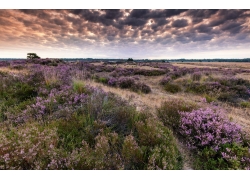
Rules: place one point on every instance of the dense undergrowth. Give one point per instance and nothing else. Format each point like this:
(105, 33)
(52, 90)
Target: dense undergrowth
(214, 85)
(216, 142)
(50, 119)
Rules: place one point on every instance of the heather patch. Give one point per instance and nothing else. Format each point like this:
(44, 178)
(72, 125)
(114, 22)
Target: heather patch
(217, 141)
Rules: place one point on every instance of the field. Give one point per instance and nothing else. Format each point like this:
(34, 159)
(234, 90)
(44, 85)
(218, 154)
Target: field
(79, 115)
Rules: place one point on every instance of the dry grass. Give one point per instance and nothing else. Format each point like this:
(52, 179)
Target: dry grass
(245, 76)
(13, 71)
(225, 65)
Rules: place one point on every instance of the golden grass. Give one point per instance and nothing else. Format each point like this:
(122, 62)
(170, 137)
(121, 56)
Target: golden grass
(225, 65)
(13, 71)
(245, 76)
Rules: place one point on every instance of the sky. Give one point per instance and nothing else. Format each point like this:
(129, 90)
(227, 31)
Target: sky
(125, 33)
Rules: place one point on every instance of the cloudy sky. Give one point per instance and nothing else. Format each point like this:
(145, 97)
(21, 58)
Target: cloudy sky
(124, 33)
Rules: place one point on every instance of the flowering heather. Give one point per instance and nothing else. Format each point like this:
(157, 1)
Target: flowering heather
(196, 76)
(112, 81)
(165, 80)
(208, 128)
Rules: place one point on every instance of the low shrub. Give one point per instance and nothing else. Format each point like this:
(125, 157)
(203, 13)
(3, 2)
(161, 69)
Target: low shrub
(165, 80)
(168, 112)
(141, 87)
(162, 150)
(209, 99)
(208, 128)
(196, 76)
(218, 142)
(173, 88)
(79, 86)
(126, 82)
(229, 157)
(245, 104)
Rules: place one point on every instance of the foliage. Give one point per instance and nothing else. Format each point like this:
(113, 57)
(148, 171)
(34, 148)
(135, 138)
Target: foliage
(173, 88)
(168, 112)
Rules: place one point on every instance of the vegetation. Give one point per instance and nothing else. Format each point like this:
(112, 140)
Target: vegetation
(32, 56)
(62, 115)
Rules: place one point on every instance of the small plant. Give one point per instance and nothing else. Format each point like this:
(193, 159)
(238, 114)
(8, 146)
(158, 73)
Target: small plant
(245, 104)
(165, 80)
(173, 88)
(209, 99)
(168, 112)
(196, 76)
(79, 86)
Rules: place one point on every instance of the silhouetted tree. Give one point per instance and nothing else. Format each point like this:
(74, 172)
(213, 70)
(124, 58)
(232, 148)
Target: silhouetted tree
(32, 56)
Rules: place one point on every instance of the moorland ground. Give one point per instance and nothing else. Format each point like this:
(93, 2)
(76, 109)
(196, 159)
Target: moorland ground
(77, 115)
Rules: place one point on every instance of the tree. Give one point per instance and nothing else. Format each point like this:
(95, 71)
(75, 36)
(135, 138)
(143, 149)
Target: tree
(130, 59)
(32, 56)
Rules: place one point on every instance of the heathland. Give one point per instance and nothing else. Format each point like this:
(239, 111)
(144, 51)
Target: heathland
(99, 115)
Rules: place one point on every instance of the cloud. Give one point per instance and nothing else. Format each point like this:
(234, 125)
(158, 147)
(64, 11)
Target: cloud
(112, 30)
(179, 23)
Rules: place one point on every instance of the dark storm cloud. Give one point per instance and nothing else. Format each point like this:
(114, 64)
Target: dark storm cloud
(199, 14)
(232, 27)
(139, 13)
(145, 13)
(203, 28)
(179, 23)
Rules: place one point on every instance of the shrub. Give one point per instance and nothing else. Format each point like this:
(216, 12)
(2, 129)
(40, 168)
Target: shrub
(208, 128)
(168, 112)
(196, 76)
(103, 80)
(162, 150)
(245, 104)
(112, 81)
(229, 157)
(173, 88)
(165, 80)
(141, 87)
(126, 82)
(209, 99)
(30, 147)
(79, 86)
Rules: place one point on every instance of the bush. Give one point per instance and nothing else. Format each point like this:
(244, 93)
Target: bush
(218, 143)
(126, 82)
(112, 81)
(173, 88)
(245, 104)
(196, 76)
(229, 157)
(168, 112)
(162, 150)
(208, 128)
(209, 99)
(141, 87)
(165, 80)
